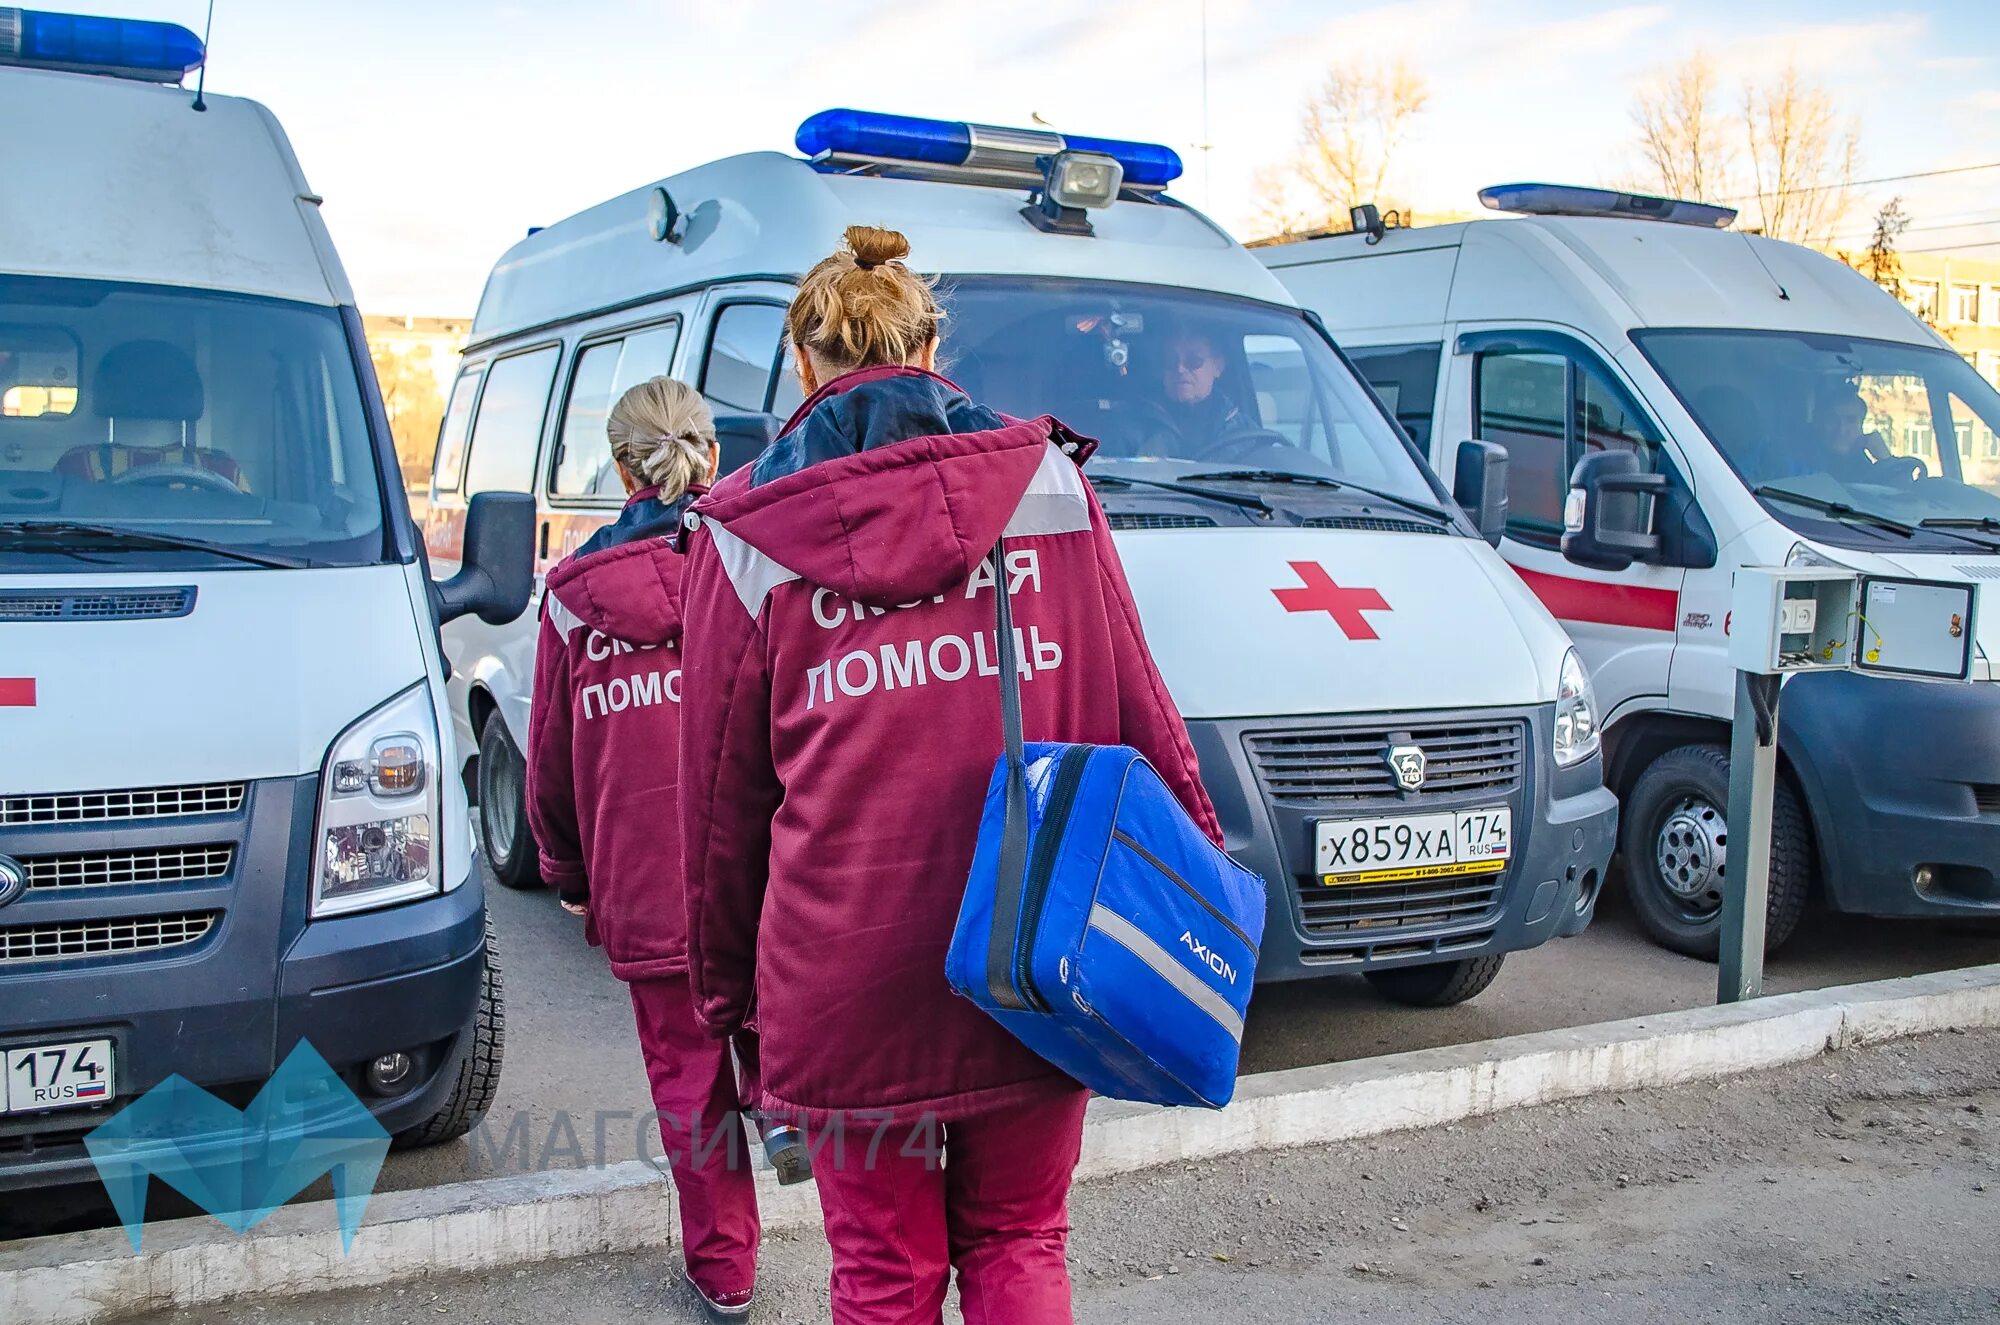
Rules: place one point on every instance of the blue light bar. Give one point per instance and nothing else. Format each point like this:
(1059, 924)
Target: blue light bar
(865, 133)
(84, 44)
(1575, 200)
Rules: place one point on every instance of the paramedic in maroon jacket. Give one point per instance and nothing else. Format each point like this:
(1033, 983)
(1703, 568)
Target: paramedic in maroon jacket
(602, 782)
(841, 720)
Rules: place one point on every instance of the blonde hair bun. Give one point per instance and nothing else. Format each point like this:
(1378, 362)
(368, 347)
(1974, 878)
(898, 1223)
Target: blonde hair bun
(872, 246)
(662, 432)
(860, 306)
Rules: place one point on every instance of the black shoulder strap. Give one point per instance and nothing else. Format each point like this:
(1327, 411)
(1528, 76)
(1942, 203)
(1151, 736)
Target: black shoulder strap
(1011, 880)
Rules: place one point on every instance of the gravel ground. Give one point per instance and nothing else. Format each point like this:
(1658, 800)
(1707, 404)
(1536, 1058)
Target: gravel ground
(1859, 1187)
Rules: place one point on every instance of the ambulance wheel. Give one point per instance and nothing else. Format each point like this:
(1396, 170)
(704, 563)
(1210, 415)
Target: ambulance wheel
(477, 1071)
(503, 809)
(1438, 985)
(1676, 846)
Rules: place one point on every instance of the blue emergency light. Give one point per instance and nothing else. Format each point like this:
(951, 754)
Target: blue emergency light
(834, 134)
(137, 48)
(1576, 200)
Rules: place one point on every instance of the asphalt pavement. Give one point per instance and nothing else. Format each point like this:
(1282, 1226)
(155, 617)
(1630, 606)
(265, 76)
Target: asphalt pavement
(571, 1051)
(1854, 1187)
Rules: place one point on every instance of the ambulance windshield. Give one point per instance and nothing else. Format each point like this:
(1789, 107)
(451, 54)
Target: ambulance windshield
(1173, 382)
(141, 424)
(1908, 435)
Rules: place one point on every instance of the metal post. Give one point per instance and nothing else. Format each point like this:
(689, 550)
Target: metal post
(1753, 774)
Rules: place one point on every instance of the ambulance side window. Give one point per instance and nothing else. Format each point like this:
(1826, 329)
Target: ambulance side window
(604, 371)
(1405, 376)
(508, 427)
(1550, 410)
(743, 362)
(450, 459)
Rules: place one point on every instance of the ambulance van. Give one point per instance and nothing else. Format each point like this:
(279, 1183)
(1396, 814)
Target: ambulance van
(1396, 734)
(1678, 400)
(229, 821)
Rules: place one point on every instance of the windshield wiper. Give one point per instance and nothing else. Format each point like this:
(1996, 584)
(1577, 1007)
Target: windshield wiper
(1322, 481)
(1242, 499)
(1951, 524)
(65, 535)
(1839, 510)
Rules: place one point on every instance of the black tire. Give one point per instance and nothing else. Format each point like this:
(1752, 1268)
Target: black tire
(504, 835)
(479, 1052)
(1676, 841)
(1438, 985)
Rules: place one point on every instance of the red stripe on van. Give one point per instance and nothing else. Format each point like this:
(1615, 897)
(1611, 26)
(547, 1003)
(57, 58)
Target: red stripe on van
(1604, 604)
(17, 692)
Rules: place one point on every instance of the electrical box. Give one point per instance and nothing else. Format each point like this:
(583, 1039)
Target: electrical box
(1786, 619)
(1919, 628)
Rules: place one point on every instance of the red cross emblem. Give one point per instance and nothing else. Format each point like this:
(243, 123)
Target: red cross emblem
(1321, 594)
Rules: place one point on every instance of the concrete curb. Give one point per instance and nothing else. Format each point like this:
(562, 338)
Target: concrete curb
(73, 1279)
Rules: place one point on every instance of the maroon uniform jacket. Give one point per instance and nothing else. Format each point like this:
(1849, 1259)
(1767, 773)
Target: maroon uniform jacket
(841, 718)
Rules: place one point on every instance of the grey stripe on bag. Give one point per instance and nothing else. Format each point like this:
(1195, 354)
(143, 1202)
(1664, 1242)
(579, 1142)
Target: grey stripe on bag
(1135, 940)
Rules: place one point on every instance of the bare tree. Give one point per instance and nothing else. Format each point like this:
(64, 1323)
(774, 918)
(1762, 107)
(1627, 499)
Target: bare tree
(1349, 134)
(1683, 137)
(1802, 157)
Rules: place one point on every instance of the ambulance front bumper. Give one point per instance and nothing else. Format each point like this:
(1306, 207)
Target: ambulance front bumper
(1274, 780)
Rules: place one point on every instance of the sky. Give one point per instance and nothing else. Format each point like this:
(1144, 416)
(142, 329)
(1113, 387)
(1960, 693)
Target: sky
(438, 131)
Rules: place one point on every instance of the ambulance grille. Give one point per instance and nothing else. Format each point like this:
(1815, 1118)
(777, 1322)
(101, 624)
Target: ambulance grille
(1986, 798)
(94, 938)
(1156, 520)
(1370, 909)
(106, 869)
(1375, 523)
(68, 807)
(94, 604)
(1346, 765)
(1979, 570)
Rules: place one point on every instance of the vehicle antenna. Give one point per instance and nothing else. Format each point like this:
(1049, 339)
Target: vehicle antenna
(201, 76)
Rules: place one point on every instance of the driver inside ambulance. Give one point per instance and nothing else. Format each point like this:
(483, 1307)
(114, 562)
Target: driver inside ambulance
(1192, 414)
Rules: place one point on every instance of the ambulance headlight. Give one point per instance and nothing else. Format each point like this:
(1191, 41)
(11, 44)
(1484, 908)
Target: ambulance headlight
(1084, 179)
(1576, 713)
(376, 835)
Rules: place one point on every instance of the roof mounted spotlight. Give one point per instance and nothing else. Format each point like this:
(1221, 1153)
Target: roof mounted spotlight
(1576, 200)
(1367, 220)
(667, 222)
(1072, 183)
(140, 49)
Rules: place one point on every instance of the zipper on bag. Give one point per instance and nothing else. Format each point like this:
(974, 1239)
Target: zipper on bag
(1132, 844)
(1041, 865)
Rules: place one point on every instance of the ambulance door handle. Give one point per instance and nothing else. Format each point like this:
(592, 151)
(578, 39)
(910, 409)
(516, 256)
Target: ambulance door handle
(544, 553)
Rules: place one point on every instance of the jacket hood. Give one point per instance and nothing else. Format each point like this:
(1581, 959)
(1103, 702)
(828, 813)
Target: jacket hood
(644, 516)
(630, 591)
(888, 486)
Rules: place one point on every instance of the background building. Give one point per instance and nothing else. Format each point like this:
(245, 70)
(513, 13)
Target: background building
(416, 359)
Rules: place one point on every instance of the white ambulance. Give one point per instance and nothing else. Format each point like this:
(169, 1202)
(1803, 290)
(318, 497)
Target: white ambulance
(1396, 734)
(1678, 400)
(229, 823)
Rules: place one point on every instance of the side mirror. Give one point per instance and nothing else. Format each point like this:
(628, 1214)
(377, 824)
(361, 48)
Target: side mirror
(496, 572)
(1608, 519)
(1480, 486)
(742, 438)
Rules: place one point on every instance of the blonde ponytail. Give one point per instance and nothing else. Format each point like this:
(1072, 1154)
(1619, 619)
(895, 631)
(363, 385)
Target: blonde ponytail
(663, 434)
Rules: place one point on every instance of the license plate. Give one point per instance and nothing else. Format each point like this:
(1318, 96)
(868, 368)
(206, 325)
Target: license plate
(59, 1076)
(1413, 846)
